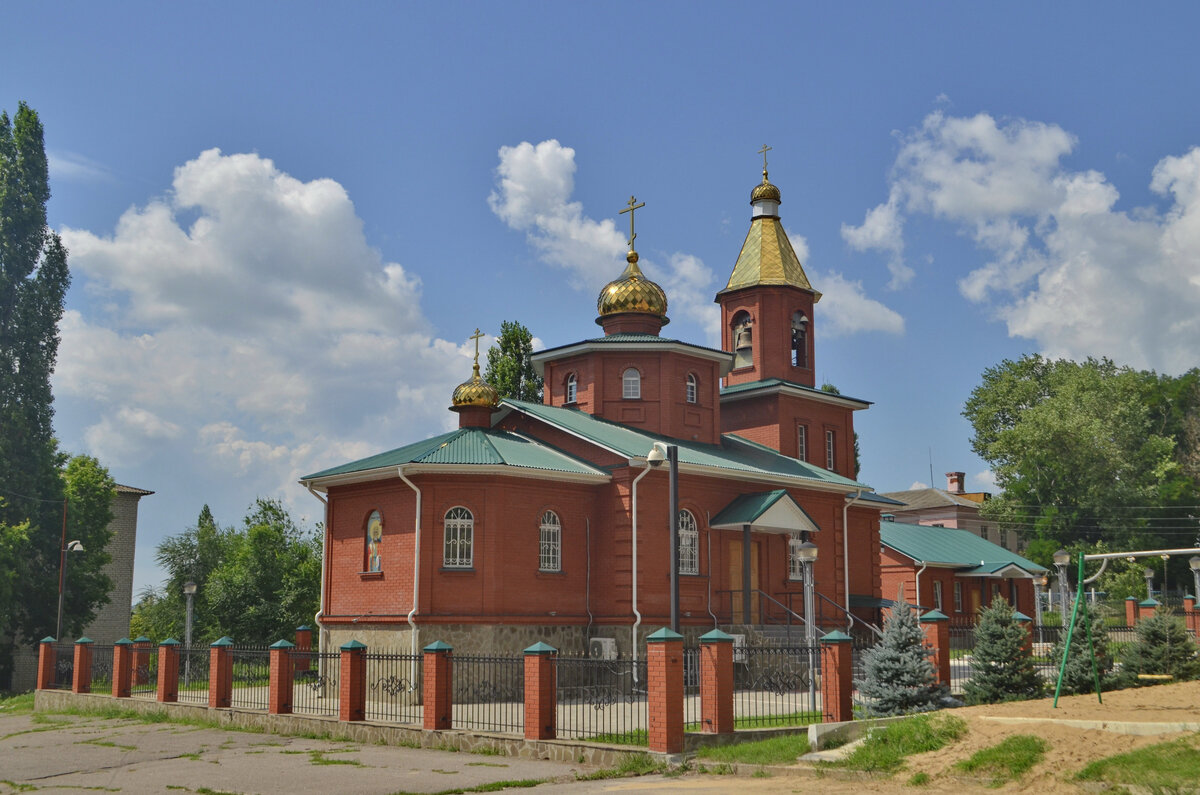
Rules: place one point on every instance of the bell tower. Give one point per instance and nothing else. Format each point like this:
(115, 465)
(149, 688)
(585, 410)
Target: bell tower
(767, 305)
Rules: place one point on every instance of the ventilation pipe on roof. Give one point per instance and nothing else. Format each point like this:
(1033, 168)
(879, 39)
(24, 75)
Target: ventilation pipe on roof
(637, 617)
(412, 621)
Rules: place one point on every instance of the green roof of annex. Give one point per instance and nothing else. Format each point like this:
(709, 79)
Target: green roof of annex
(950, 547)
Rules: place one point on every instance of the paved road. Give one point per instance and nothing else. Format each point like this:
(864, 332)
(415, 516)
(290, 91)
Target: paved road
(66, 753)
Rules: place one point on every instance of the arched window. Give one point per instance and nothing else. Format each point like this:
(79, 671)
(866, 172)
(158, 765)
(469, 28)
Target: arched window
(549, 542)
(743, 342)
(459, 539)
(374, 560)
(572, 386)
(693, 388)
(631, 384)
(799, 340)
(689, 544)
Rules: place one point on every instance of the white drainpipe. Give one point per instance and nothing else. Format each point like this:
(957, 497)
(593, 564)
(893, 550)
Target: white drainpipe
(846, 545)
(924, 565)
(324, 555)
(637, 617)
(412, 621)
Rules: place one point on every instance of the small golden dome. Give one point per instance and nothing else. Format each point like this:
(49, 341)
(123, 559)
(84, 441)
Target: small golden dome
(632, 292)
(764, 190)
(475, 392)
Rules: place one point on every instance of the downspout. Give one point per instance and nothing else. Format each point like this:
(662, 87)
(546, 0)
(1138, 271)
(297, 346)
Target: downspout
(412, 621)
(637, 617)
(587, 594)
(707, 523)
(924, 565)
(846, 545)
(324, 557)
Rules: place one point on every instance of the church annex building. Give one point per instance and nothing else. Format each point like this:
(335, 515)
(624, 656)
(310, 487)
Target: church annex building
(546, 521)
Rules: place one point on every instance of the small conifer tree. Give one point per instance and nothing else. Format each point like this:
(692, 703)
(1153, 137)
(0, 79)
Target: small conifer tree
(1001, 667)
(899, 675)
(1077, 676)
(1163, 646)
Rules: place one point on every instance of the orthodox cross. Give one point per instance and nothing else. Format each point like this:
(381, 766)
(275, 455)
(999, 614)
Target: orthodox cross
(763, 152)
(476, 336)
(629, 209)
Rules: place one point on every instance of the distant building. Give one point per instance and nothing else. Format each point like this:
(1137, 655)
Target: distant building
(952, 506)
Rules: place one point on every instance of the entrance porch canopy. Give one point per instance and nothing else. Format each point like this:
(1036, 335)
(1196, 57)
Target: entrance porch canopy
(765, 512)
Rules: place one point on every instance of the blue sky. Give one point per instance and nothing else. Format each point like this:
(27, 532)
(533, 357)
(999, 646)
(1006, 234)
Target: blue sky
(286, 219)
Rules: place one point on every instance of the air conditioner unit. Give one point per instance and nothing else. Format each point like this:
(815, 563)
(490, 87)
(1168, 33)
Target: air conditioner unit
(739, 648)
(602, 648)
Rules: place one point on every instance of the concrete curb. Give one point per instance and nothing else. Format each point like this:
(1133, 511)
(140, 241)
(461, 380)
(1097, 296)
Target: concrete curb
(1114, 726)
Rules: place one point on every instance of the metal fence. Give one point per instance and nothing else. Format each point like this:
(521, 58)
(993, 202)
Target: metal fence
(102, 668)
(394, 684)
(193, 674)
(776, 686)
(251, 670)
(602, 700)
(144, 681)
(64, 666)
(315, 682)
(488, 693)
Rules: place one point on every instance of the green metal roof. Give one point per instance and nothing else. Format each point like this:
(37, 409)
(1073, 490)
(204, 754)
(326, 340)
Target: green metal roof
(735, 454)
(949, 546)
(749, 509)
(751, 386)
(470, 446)
(626, 338)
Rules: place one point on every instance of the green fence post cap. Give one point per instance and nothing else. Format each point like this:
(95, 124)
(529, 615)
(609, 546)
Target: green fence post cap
(353, 645)
(663, 635)
(282, 644)
(304, 628)
(935, 615)
(169, 642)
(541, 648)
(837, 636)
(439, 645)
(1148, 603)
(84, 639)
(716, 636)
(1019, 616)
(1131, 598)
(141, 639)
(48, 639)
(124, 642)
(222, 642)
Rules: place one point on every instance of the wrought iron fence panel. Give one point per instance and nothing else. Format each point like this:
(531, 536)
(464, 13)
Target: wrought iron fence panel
(858, 668)
(962, 647)
(691, 689)
(602, 700)
(315, 682)
(102, 667)
(488, 693)
(251, 677)
(776, 686)
(394, 683)
(144, 679)
(64, 666)
(193, 674)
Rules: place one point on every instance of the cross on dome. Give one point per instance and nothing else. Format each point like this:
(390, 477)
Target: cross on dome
(631, 206)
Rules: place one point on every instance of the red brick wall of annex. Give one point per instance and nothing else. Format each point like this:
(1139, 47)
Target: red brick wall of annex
(897, 569)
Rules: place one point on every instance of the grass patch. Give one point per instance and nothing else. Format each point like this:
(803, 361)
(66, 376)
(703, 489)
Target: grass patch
(631, 737)
(885, 748)
(488, 750)
(194, 756)
(1006, 761)
(1164, 767)
(632, 765)
(107, 744)
(486, 764)
(494, 786)
(320, 758)
(772, 751)
(17, 705)
(918, 780)
(18, 787)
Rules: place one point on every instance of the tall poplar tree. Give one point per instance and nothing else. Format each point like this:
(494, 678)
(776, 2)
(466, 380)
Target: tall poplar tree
(508, 367)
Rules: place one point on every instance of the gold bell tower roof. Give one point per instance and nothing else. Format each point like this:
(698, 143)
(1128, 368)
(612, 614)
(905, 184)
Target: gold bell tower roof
(767, 256)
(632, 293)
(475, 392)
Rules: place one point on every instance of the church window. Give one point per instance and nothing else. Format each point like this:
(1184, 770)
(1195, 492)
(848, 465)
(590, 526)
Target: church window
(830, 450)
(572, 385)
(795, 567)
(374, 535)
(958, 603)
(799, 340)
(550, 542)
(802, 442)
(693, 388)
(937, 594)
(631, 384)
(743, 340)
(689, 544)
(459, 539)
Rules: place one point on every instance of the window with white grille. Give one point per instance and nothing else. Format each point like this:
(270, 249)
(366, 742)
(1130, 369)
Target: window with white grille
(958, 604)
(572, 387)
(830, 450)
(459, 538)
(689, 544)
(692, 388)
(549, 542)
(631, 384)
(937, 594)
(795, 567)
(802, 442)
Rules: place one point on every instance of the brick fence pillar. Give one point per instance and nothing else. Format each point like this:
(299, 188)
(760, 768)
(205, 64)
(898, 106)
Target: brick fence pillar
(1131, 610)
(81, 679)
(1026, 623)
(304, 646)
(352, 682)
(936, 626)
(541, 692)
(168, 671)
(220, 673)
(438, 690)
(47, 657)
(716, 682)
(141, 660)
(122, 670)
(279, 690)
(1146, 608)
(837, 677)
(1190, 617)
(664, 681)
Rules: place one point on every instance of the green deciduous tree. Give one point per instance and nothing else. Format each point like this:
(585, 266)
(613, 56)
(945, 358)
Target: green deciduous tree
(1001, 667)
(508, 367)
(899, 676)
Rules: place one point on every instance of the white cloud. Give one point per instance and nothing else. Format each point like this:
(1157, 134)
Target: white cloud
(846, 309)
(76, 167)
(266, 336)
(917, 484)
(1064, 266)
(984, 481)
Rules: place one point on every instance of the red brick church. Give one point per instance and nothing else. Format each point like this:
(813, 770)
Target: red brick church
(549, 521)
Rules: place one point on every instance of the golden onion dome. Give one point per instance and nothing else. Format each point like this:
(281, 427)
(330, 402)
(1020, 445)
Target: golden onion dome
(475, 392)
(632, 292)
(764, 190)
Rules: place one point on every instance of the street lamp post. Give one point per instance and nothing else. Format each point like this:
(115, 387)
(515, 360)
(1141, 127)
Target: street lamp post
(1039, 585)
(189, 590)
(1148, 573)
(73, 546)
(670, 453)
(1061, 559)
(1194, 565)
(806, 551)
